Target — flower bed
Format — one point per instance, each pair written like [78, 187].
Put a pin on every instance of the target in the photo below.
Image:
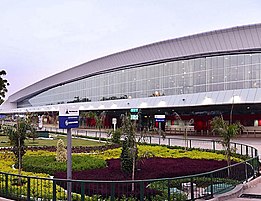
[152, 168]
[165, 160]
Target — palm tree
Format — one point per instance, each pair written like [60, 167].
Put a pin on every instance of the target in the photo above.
[99, 120]
[17, 135]
[83, 116]
[227, 132]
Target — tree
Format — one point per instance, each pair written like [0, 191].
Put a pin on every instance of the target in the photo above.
[17, 135]
[129, 147]
[83, 116]
[99, 120]
[227, 132]
[3, 86]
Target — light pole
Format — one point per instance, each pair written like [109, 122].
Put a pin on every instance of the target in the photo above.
[231, 111]
[184, 126]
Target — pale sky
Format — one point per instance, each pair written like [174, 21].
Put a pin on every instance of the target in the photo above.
[39, 38]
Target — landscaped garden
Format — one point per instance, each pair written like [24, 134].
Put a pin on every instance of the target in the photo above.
[103, 163]
[52, 141]
[118, 170]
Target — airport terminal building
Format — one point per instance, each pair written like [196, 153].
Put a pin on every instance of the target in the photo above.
[197, 77]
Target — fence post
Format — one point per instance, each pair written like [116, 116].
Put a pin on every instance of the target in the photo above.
[82, 191]
[192, 189]
[28, 188]
[168, 190]
[141, 191]
[190, 144]
[169, 141]
[211, 187]
[6, 184]
[246, 171]
[150, 139]
[112, 191]
[214, 146]
[159, 140]
[86, 133]
[54, 190]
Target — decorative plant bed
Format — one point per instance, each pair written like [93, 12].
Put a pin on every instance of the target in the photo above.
[151, 168]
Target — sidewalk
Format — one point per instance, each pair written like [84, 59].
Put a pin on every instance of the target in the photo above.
[4, 199]
[251, 188]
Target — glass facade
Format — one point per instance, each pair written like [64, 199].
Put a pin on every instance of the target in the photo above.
[205, 74]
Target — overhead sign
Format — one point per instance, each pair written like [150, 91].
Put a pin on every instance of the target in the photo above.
[68, 117]
[134, 117]
[133, 110]
[159, 117]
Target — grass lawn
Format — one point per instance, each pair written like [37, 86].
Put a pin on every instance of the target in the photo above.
[4, 142]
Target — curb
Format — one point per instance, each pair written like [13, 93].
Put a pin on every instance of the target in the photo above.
[237, 191]
[229, 195]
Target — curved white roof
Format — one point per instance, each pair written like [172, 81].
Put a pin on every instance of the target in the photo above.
[236, 39]
[238, 96]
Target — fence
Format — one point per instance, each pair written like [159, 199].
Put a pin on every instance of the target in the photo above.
[192, 187]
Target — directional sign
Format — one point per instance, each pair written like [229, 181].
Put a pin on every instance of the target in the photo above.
[134, 117]
[160, 118]
[68, 117]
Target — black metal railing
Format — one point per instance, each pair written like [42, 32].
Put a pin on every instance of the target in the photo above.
[191, 187]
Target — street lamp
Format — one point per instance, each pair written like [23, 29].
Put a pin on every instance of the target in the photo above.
[235, 99]
[184, 126]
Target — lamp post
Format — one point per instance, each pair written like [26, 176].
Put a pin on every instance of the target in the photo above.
[231, 111]
[184, 126]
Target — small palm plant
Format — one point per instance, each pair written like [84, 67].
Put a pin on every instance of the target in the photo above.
[17, 135]
[227, 132]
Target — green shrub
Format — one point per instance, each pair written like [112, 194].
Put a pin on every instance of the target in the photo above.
[48, 164]
[116, 136]
[61, 152]
[126, 159]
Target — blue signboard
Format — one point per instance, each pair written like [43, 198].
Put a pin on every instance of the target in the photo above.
[159, 120]
[68, 122]
[68, 117]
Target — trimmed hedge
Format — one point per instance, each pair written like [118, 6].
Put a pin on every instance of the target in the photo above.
[48, 164]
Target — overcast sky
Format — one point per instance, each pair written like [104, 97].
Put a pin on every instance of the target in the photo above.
[39, 38]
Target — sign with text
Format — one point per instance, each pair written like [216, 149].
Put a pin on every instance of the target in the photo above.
[159, 117]
[134, 110]
[114, 121]
[134, 117]
[68, 117]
